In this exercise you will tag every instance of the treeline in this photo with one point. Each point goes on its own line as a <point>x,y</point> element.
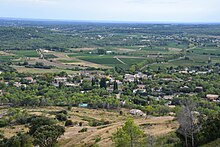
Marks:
<point>61,37</point>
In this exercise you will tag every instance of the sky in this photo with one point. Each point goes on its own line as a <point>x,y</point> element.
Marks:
<point>114,10</point>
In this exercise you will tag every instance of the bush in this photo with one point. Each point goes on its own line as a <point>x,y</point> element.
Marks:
<point>20,140</point>
<point>69,123</point>
<point>96,123</point>
<point>3,122</point>
<point>63,111</point>
<point>80,124</point>
<point>98,139</point>
<point>61,117</point>
<point>83,130</point>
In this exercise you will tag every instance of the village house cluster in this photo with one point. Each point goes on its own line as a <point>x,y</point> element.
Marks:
<point>140,84</point>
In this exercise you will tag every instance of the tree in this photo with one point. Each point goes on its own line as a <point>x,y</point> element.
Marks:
<point>46,136</point>
<point>189,121</point>
<point>61,117</point>
<point>103,83</point>
<point>20,140</point>
<point>149,109</point>
<point>128,135</point>
<point>38,122</point>
<point>93,81</point>
<point>121,138</point>
<point>115,86</point>
<point>86,85</point>
<point>101,51</point>
<point>209,129</point>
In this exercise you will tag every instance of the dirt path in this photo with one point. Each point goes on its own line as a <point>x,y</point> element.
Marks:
<point>121,61</point>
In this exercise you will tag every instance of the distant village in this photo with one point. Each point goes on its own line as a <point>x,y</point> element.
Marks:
<point>119,87</point>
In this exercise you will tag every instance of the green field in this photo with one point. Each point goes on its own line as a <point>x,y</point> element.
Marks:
<point>183,63</point>
<point>26,53</point>
<point>105,61</point>
<point>207,51</point>
<point>131,61</point>
<point>6,58</point>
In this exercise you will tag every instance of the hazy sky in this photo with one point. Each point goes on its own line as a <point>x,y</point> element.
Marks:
<point>114,10</point>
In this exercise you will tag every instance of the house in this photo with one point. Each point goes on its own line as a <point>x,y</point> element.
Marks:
<point>45,51</point>
<point>201,72</point>
<point>169,97</point>
<point>168,79</point>
<point>18,84</point>
<point>185,89</point>
<point>212,97</point>
<point>140,75</point>
<point>129,78</point>
<point>140,88</point>
<point>118,96</point>
<point>60,79</point>
<point>137,112</point>
<point>111,79</point>
<point>29,80</point>
<point>108,52</point>
<point>123,103</point>
<point>71,85</point>
<point>110,89</point>
<point>168,103</point>
<point>192,71</point>
<point>183,72</point>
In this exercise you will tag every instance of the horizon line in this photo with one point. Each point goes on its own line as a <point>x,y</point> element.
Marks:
<point>106,21</point>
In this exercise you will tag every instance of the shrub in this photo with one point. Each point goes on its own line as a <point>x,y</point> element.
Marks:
<point>98,139</point>
<point>95,122</point>
<point>83,130</point>
<point>68,123</point>
<point>61,117</point>
<point>3,122</point>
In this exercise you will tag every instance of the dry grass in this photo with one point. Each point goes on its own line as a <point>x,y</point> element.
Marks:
<point>161,126</point>
<point>126,50</point>
<point>23,69</point>
<point>12,130</point>
<point>153,125</point>
<point>175,49</point>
